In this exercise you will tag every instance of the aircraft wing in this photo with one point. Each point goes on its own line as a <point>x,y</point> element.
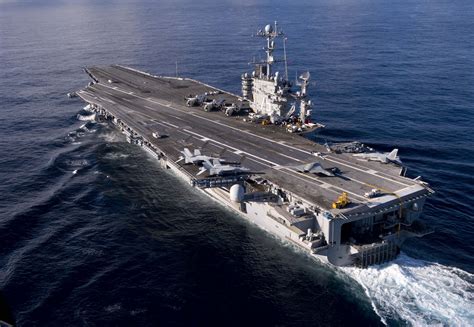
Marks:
<point>321,171</point>
<point>313,168</point>
<point>187,153</point>
<point>363,155</point>
<point>299,168</point>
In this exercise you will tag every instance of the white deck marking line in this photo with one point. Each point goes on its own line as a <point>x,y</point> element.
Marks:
<point>351,178</point>
<point>238,130</point>
<point>109,101</point>
<point>177,117</point>
<point>323,182</point>
<point>112,93</point>
<point>247,153</point>
<point>369,171</point>
<point>159,123</point>
<point>338,161</point>
<point>324,185</point>
<point>217,146</point>
<point>169,124</point>
<point>261,137</point>
<point>280,168</point>
<point>290,157</point>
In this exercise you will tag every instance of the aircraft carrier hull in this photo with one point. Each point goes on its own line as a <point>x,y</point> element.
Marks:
<point>273,193</point>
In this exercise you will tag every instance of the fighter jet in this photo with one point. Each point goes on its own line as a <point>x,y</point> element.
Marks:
<point>195,100</point>
<point>230,109</point>
<point>209,105</point>
<point>195,158</point>
<point>385,157</point>
<point>314,168</point>
<point>216,168</point>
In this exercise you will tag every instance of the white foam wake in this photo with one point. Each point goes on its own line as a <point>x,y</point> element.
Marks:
<point>419,292</point>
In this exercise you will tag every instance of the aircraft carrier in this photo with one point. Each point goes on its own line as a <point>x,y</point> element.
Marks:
<point>346,205</point>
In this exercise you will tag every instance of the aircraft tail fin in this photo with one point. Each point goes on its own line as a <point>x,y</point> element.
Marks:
<point>207,164</point>
<point>187,153</point>
<point>393,155</point>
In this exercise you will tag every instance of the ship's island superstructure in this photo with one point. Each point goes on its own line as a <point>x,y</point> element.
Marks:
<point>247,152</point>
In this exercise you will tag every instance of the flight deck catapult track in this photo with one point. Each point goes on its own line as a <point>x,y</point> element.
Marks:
<point>271,177</point>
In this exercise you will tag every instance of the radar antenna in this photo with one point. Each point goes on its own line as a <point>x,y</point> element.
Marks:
<point>270,33</point>
<point>284,58</point>
<point>305,81</point>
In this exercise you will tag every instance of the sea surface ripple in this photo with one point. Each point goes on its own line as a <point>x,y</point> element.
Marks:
<point>94,233</point>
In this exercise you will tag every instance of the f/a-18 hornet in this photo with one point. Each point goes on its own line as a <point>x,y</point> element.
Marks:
<point>386,157</point>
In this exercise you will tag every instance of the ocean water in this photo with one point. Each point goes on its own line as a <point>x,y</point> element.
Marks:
<point>94,233</point>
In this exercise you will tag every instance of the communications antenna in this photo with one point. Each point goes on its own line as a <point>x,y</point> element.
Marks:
<point>284,58</point>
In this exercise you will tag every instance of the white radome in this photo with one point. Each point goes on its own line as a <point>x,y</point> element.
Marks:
<point>268,29</point>
<point>236,193</point>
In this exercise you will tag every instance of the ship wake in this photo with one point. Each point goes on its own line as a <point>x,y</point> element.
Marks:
<point>419,292</point>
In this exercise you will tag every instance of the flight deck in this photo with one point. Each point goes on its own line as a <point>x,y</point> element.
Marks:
<point>153,104</point>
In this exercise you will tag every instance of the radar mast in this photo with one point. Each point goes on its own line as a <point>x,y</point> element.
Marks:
<point>270,33</point>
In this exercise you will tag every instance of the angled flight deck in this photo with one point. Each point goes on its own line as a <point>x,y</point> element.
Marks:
<point>149,104</point>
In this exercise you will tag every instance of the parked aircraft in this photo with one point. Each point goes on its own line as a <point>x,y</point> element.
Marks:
<point>195,100</point>
<point>195,157</point>
<point>385,157</point>
<point>314,168</point>
<point>216,168</point>
<point>209,105</point>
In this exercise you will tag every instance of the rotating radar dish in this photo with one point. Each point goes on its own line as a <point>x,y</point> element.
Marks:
<point>305,76</point>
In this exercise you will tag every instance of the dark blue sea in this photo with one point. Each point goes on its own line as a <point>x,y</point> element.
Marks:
<point>94,233</point>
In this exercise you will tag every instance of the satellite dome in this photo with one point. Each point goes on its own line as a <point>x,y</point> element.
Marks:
<point>268,29</point>
<point>237,193</point>
<point>305,76</point>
